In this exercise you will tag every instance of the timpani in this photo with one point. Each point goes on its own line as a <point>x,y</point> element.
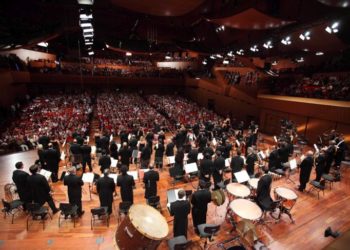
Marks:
<point>245,209</point>
<point>288,199</point>
<point>143,228</point>
<point>237,190</point>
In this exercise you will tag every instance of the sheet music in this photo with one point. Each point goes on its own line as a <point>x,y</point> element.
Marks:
<point>171,159</point>
<point>227,162</point>
<point>93,150</point>
<point>293,164</point>
<point>191,168</point>
<point>262,155</point>
<point>134,174</point>
<point>242,176</point>
<point>45,173</point>
<point>200,156</point>
<point>172,195</point>
<point>114,162</point>
<point>113,176</point>
<point>88,178</point>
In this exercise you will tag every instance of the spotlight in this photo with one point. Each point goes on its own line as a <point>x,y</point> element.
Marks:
<point>128,54</point>
<point>204,62</point>
<point>85,16</point>
<point>91,53</point>
<point>305,36</point>
<point>240,52</point>
<point>254,48</point>
<point>43,44</point>
<point>212,57</point>
<point>268,45</point>
<point>218,56</point>
<point>333,29</point>
<point>286,41</point>
<point>319,53</point>
<point>226,61</point>
<point>300,60</point>
<point>230,54</point>
<point>274,63</point>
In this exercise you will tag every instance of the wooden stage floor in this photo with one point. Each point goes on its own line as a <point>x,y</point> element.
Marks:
<point>312,217</point>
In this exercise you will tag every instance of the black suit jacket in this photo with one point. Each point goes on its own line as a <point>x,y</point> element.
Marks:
<point>104,162</point>
<point>74,184</point>
<point>237,163</point>
<point>180,211</point>
<point>86,152</point>
<point>20,178</point>
<point>105,188</point>
<point>126,184</point>
<point>39,187</point>
<point>150,179</point>
<point>263,192</point>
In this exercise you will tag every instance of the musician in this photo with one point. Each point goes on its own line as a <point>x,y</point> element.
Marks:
<point>41,156</point>
<point>274,160</point>
<point>283,152</point>
<point>86,156</point>
<point>237,164</point>
<point>320,163</point>
<point>200,200</point>
<point>330,153</point>
<point>104,143</point>
<point>105,161</point>
<point>150,180</point>
<point>227,151</point>
<point>75,150</point>
<point>20,178</point>
<point>219,165</point>
<point>208,150</point>
<point>126,183</point>
<point>40,189</point>
<point>123,137</point>
<point>305,170</point>
<point>133,148</point>
<point>249,140</point>
<point>251,159</point>
<point>206,168</point>
<point>74,184</point>
<point>149,139</point>
<point>105,188</point>
<point>113,150</point>
<point>180,210</point>
<point>159,153</point>
<point>146,155</point>
<point>192,156</point>
<point>125,155</point>
<point>263,197</point>
<point>52,159</point>
<point>44,140</point>
<point>340,151</point>
<point>169,150</point>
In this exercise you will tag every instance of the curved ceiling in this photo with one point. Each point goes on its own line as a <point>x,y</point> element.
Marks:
<point>160,7</point>
<point>336,3</point>
<point>251,19</point>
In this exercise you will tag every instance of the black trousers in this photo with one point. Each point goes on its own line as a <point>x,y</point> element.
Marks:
<point>86,162</point>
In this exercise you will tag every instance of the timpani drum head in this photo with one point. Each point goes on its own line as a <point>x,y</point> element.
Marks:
<point>286,193</point>
<point>148,221</point>
<point>253,182</point>
<point>238,190</point>
<point>246,209</point>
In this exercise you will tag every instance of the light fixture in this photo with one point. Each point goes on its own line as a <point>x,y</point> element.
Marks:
<point>88,35</point>
<point>85,30</point>
<point>305,36</point>
<point>128,54</point>
<point>89,43</point>
<point>221,28</point>
<point>43,44</point>
<point>218,56</point>
<point>333,29</point>
<point>268,45</point>
<point>85,24</point>
<point>226,61</point>
<point>91,53</point>
<point>85,16</point>
<point>299,60</point>
<point>212,57</point>
<point>86,2</point>
<point>286,41</point>
<point>230,54</point>
<point>274,63</point>
<point>240,52</point>
<point>204,62</point>
<point>306,50</point>
<point>254,48</point>
<point>319,53</point>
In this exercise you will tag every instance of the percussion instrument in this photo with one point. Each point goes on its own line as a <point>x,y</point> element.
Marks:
<point>245,209</point>
<point>143,228</point>
<point>218,197</point>
<point>238,190</point>
<point>288,199</point>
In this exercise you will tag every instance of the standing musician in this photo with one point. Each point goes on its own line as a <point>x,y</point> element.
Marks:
<point>126,183</point>
<point>105,189</point>
<point>206,168</point>
<point>125,154</point>
<point>74,184</point>
<point>200,200</point>
<point>340,150</point>
<point>52,160</point>
<point>305,170</point>
<point>251,159</point>
<point>150,180</point>
<point>159,153</point>
<point>320,163</point>
<point>180,210</point>
<point>330,153</point>
<point>219,165</point>
<point>237,164</point>
<point>86,156</point>
<point>105,161</point>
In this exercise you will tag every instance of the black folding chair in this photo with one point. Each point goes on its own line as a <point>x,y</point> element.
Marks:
<point>12,208</point>
<point>68,211</point>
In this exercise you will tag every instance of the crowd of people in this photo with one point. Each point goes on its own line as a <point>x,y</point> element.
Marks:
<point>56,116</point>
<point>329,87</point>
<point>12,62</point>
<point>235,78</point>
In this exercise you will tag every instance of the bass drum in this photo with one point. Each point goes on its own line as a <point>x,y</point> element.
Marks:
<point>143,228</point>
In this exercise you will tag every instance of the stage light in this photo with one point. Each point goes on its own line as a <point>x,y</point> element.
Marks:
<point>268,45</point>
<point>305,36</point>
<point>299,60</point>
<point>286,41</point>
<point>88,30</point>
<point>91,53</point>
<point>306,50</point>
<point>43,44</point>
<point>107,46</point>
<point>221,28</point>
<point>85,24</point>
<point>86,2</point>
<point>254,48</point>
<point>240,52</point>
<point>85,16</point>
<point>88,35</point>
<point>218,56</point>
<point>230,54</point>
<point>319,53</point>
<point>333,29</point>
<point>89,43</point>
<point>274,63</point>
<point>128,54</point>
<point>226,61</point>
<point>204,62</point>
<point>212,57</point>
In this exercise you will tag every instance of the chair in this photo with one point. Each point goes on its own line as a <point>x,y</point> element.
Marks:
<point>271,209</point>
<point>124,207</point>
<point>99,213</point>
<point>37,212</point>
<point>11,208</point>
<point>174,173</point>
<point>318,186</point>
<point>328,179</point>
<point>207,231</point>
<point>68,211</point>
<point>154,201</point>
<point>178,243</point>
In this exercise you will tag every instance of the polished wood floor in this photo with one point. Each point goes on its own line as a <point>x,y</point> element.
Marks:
<point>311,215</point>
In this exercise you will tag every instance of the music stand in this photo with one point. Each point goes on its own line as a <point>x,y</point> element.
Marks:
<point>45,173</point>
<point>292,166</point>
<point>88,178</point>
<point>241,176</point>
<point>171,160</point>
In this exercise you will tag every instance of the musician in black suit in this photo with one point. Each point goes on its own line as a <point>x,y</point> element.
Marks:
<point>74,184</point>
<point>125,155</point>
<point>283,152</point>
<point>104,162</point>
<point>200,200</point>
<point>274,160</point>
<point>180,210</point>
<point>237,163</point>
<point>150,180</point>
<point>126,183</point>
<point>206,167</point>
<point>41,155</point>
<point>305,170</point>
<point>86,156</point>
<point>105,189</point>
<point>341,147</point>
<point>192,156</point>
<point>146,155</point>
<point>251,159</point>
<point>320,163</point>
<point>44,140</point>
<point>219,165</point>
<point>169,150</point>
<point>159,153</point>
<point>20,178</point>
<point>75,150</point>
<point>263,197</point>
<point>52,159</point>
<point>40,189</point>
<point>330,154</point>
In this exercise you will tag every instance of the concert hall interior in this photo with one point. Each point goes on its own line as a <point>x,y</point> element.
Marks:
<point>197,124</point>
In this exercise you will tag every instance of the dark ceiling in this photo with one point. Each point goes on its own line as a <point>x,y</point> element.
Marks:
<point>153,26</point>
